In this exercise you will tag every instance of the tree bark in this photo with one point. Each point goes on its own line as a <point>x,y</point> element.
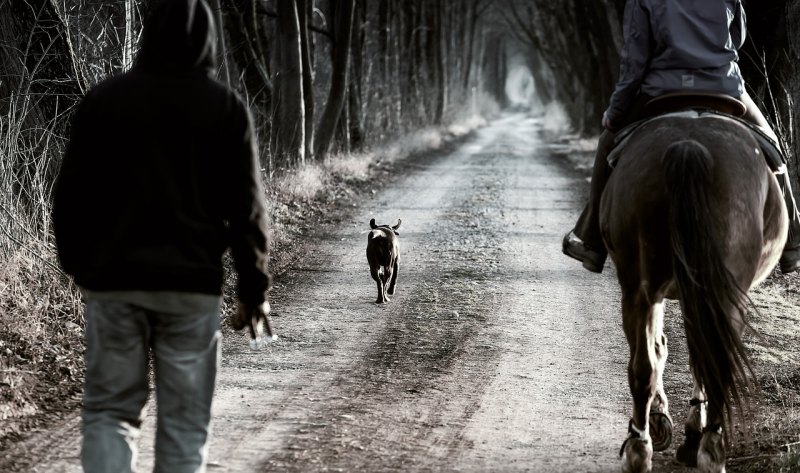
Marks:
<point>305,10</point>
<point>793,86</point>
<point>434,58</point>
<point>289,127</point>
<point>384,60</point>
<point>355,123</point>
<point>341,61</point>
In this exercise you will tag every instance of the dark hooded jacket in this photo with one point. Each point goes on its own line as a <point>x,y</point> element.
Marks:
<point>161,172</point>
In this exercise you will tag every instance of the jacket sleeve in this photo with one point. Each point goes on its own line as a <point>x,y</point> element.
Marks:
<point>738,26</point>
<point>634,59</point>
<point>70,194</point>
<point>245,211</point>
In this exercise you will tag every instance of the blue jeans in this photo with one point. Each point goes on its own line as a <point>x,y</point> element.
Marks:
<point>185,348</point>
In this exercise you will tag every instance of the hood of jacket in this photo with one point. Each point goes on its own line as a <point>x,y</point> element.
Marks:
<point>179,37</point>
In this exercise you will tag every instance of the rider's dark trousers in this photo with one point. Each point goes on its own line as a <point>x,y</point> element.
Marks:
<point>588,226</point>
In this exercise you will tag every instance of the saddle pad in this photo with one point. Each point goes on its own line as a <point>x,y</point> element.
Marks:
<point>773,155</point>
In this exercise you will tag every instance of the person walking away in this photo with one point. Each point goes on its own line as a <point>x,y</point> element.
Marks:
<point>160,177</point>
<point>671,46</point>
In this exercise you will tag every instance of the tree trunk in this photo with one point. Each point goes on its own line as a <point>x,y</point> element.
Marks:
<point>472,18</point>
<point>384,88</point>
<point>289,127</point>
<point>356,79</point>
<point>305,10</point>
<point>343,25</point>
<point>433,59</point>
<point>409,60</point>
<point>396,65</point>
<point>793,36</point>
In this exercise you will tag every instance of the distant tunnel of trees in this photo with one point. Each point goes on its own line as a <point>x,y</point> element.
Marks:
<point>330,76</point>
<point>572,48</point>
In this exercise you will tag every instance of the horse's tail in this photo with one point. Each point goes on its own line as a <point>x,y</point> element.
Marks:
<point>711,299</point>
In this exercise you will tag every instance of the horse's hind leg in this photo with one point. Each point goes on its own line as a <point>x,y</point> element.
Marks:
<point>637,320</point>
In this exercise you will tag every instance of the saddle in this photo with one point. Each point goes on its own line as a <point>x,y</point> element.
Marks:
<point>696,105</point>
<point>679,101</point>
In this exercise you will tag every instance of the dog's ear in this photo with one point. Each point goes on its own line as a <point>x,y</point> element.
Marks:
<point>372,223</point>
<point>396,226</point>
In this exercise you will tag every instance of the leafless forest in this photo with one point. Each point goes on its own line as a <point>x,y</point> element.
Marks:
<point>325,80</point>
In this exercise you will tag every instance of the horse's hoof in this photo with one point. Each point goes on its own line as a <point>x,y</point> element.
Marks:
<point>660,431</point>
<point>637,455</point>
<point>687,452</point>
<point>711,454</point>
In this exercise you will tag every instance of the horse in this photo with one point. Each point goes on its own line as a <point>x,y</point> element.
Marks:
<point>691,212</point>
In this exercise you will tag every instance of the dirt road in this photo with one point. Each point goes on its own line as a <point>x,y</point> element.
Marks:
<point>497,353</point>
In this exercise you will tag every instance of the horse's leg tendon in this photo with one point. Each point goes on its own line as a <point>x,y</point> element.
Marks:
<point>660,420</point>
<point>696,421</point>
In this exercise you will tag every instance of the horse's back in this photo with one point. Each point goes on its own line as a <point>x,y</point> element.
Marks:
<point>743,195</point>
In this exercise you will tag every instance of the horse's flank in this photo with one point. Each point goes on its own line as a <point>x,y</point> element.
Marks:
<point>748,216</point>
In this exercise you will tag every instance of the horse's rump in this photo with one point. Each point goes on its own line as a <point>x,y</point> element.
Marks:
<point>742,193</point>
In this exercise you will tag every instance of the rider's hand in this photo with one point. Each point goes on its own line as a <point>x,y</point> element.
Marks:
<point>256,319</point>
<point>607,122</point>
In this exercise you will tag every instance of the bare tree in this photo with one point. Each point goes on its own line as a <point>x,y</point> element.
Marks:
<point>343,28</point>
<point>39,87</point>
<point>250,54</point>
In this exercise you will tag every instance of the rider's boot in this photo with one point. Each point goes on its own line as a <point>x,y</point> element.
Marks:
<point>584,242</point>
<point>790,259</point>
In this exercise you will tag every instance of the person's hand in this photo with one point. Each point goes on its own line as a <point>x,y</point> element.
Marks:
<point>607,122</point>
<point>256,319</point>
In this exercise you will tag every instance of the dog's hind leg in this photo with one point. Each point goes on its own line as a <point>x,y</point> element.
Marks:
<point>387,277</point>
<point>376,275</point>
<point>394,276</point>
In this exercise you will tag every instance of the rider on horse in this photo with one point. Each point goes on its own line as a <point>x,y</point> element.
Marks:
<point>673,46</point>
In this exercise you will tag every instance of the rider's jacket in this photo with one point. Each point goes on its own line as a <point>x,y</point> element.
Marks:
<point>679,45</point>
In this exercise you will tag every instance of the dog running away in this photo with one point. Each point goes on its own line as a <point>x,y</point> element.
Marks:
<point>383,254</point>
